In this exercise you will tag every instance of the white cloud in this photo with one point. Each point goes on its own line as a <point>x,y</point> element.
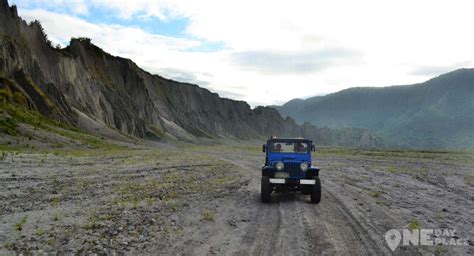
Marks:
<point>395,42</point>
<point>433,70</point>
<point>149,50</point>
<point>302,62</point>
<point>75,6</point>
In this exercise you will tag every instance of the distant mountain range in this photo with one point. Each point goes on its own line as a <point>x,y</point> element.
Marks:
<point>438,113</point>
<point>85,87</point>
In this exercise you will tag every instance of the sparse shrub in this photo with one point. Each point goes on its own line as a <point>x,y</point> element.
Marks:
<point>392,169</point>
<point>94,221</point>
<point>208,215</point>
<point>19,225</point>
<point>173,205</point>
<point>51,242</point>
<point>136,204</point>
<point>83,39</point>
<point>149,201</point>
<point>375,193</point>
<point>6,94</point>
<point>10,246</point>
<point>414,224</point>
<point>38,232</point>
<point>55,201</point>
<point>19,99</point>
<point>158,132</point>
<point>92,224</point>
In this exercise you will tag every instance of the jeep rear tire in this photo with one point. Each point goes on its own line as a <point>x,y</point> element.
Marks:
<point>266,189</point>
<point>316,191</point>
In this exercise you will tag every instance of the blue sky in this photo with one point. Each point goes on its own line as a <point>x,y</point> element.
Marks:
<point>173,27</point>
<point>268,52</point>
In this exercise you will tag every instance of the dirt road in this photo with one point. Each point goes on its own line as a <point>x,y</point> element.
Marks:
<point>204,201</point>
<point>291,225</point>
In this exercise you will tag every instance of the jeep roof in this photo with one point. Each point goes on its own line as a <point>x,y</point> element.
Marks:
<point>275,139</point>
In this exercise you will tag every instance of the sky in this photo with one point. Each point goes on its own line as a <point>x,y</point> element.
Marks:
<point>268,52</point>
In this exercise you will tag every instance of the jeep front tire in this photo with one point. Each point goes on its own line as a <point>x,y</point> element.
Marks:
<point>316,191</point>
<point>266,189</point>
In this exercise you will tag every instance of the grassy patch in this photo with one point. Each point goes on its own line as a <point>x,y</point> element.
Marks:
<point>438,155</point>
<point>414,172</point>
<point>469,180</point>
<point>166,188</point>
<point>91,225</point>
<point>95,221</point>
<point>8,126</point>
<point>15,106</point>
<point>15,110</point>
<point>180,175</point>
<point>349,180</point>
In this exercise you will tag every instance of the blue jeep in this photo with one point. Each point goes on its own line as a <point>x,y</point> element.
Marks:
<point>288,168</point>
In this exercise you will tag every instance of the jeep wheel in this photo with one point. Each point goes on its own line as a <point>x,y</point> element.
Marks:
<point>266,190</point>
<point>316,191</point>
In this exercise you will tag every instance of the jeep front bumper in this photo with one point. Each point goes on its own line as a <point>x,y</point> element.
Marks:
<point>284,181</point>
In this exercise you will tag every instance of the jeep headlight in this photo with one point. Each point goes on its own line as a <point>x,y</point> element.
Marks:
<point>279,166</point>
<point>304,166</point>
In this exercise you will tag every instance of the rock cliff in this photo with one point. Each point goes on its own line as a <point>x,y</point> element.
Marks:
<point>82,80</point>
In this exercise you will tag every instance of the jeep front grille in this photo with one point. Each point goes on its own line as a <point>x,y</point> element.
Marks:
<point>294,170</point>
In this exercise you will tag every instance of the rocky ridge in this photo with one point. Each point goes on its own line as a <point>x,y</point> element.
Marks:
<point>84,86</point>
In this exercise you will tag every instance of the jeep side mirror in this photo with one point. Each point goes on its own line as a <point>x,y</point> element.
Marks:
<point>313,148</point>
<point>263,147</point>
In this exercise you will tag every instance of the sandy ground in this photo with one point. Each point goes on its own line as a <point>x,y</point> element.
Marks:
<point>205,200</point>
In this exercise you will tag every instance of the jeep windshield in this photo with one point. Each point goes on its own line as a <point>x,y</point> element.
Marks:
<point>288,147</point>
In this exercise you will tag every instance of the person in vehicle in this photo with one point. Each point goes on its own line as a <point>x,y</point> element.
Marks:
<point>278,147</point>
<point>300,148</point>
